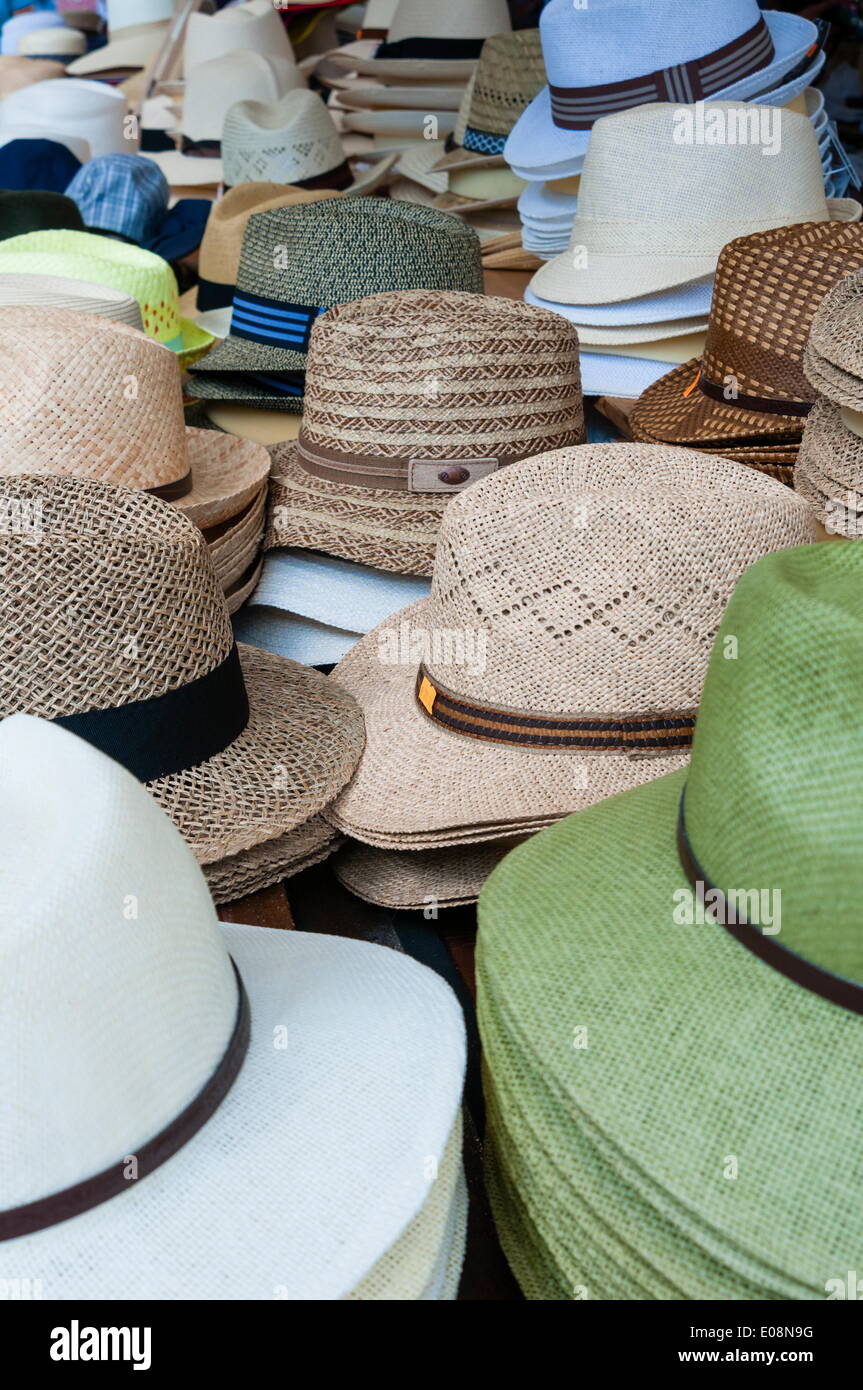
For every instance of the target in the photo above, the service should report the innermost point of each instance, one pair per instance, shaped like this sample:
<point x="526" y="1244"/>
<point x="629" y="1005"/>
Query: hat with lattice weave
<point x="411" y="880"/>
<point x="116" y="626"/>
<point x="736" y="881"/>
<point x="508" y="76"/>
<point x="410" y="398"/>
<point x="834" y="356"/>
<point x="750" y="385"/>
<point x="297" y="262"/>
<point x="561" y="654"/>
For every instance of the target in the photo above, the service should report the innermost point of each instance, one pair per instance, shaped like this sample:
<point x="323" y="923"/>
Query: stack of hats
<point x="291" y="1100"/>
<point x="602" y="60"/>
<point x="748" y="397"/>
<point x="88" y="397"/>
<point x="559" y="659"/>
<point x="670" y="986"/>
<point x="17" y="72"/>
<point x="830" y="463"/>
<point x="654" y="213"/>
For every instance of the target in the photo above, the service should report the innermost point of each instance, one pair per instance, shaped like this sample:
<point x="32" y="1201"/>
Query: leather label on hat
<point x="447" y="475"/>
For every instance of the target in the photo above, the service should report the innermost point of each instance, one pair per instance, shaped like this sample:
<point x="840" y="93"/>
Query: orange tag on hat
<point x="426" y="694"/>
<point x="691" y="387"/>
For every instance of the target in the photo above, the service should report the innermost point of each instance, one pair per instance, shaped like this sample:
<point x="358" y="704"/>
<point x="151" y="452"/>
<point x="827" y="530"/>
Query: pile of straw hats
<point x="635" y="1148"/>
<point x="352" y="1136"/>
<point x="470" y="740"/>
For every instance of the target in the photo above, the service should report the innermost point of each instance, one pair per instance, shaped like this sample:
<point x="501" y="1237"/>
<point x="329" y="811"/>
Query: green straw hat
<point x="299" y="261"/>
<point x="102" y="261"/>
<point x="35" y="210"/>
<point x="676" y="1103"/>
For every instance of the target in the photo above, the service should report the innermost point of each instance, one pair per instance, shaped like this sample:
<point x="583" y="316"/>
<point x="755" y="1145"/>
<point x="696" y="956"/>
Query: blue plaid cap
<point x="122" y="193"/>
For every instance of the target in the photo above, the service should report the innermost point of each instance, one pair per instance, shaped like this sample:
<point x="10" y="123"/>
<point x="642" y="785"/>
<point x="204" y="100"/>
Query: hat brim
<point x="281" y="1193"/>
<point x="134" y="52"/>
<point x="613" y="374"/>
<point x="359" y="57"/>
<point x="240" y="389"/>
<point x="665" y="412"/>
<point x="227" y="474"/>
<point x="274" y="860"/>
<point x="460" y="158"/>
<point x="195" y="342"/>
<point x="333" y="592"/>
<point x="401" y="98"/>
<point x="417" y="778"/>
<point x="238" y="593"/>
<point x="596" y="336"/>
<point x="267" y="427"/>
<point x="186" y="170"/>
<point x="833" y="382"/>
<point x="408" y="880"/>
<point x="623" y="855"/>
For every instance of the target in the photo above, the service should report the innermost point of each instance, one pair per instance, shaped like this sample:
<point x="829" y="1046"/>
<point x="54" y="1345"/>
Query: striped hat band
<point x="273" y="322"/>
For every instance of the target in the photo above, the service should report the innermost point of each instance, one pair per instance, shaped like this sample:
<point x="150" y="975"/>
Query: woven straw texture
<point x="415" y="879"/>
<point x="599" y="1177"/>
<point x="272" y="861"/>
<point x="348" y="249"/>
<point x="509" y="74"/>
<point x="829" y="471"/>
<point x="597" y="576"/>
<point x="767" y="289"/>
<point x="283" y="141"/>
<point x="113" y="599"/>
<point x="834" y="357"/>
<point x="223" y="238"/>
<point x="235" y="552"/>
<point x="843" y="388"/>
<point x="419" y="374"/>
<point x="59" y="292"/>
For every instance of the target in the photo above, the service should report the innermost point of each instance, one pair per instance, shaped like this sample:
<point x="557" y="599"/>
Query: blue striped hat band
<point x="272" y="321"/>
<point x="481" y="142"/>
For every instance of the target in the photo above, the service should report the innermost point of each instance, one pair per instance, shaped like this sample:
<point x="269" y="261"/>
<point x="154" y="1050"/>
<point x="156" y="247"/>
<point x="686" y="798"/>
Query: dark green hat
<point x="37" y="211"/>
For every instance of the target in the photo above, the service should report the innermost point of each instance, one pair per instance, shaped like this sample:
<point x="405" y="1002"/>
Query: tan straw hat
<point x="834" y="357"/>
<point x="115" y="626"/>
<point x="411" y="397"/>
<point x="412" y="880"/>
<point x="657" y="203"/>
<point x="508" y="76"/>
<point x="274" y="860"/>
<point x="561" y="655"/>
<point x="83" y="396"/>
<point x="17" y="72"/>
<point x="829" y="472"/>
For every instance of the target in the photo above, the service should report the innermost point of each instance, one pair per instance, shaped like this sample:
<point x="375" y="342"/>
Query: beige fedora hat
<point x="88" y="397"/>
<point x="271" y="862"/>
<point x="410" y="397"/>
<point x="561" y="654"/>
<point x="57" y="44"/>
<point x="468" y="188"/>
<point x="255" y="27"/>
<point x="657" y="203"/>
<point x="509" y="74"/>
<point x="58" y="292"/>
<point x="417" y="880"/>
<point x="426" y="42"/>
<point x="136" y="30"/>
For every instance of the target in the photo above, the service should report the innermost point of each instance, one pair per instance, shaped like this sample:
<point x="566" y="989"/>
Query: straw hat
<point x="601" y="60"/>
<point x="222" y="244"/>
<point x="251" y="28"/>
<point x="136" y="30"/>
<point x="829" y="472"/>
<point x="94" y="111"/>
<point x="18" y="25"/>
<point x="749" y="385"/>
<point x="328" y="1171"/>
<point x="298" y="261"/>
<point x="411" y="397"/>
<point x="235" y="544"/>
<point x="240" y="875"/>
<point x="622" y="1189"/>
<point x="87" y="397"/>
<point x="509" y="74"/>
<point x="85" y="256"/>
<point x="23" y="211"/>
<point x="16" y="72"/>
<point x="237" y="750"/>
<point x="292" y="140"/>
<point x="575" y="597"/>
<point x="53" y="44"/>
<point x="56" y="292"/>
<point x="629" y="238"/>
<point x="834" y="360"/>
<point x="413" y="880"/>
<point x="424" y="44"/>
<point x="468" y="189"/>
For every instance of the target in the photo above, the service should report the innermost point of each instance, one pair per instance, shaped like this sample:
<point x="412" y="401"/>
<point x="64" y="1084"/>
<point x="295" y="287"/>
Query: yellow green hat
<point x="117" y="265"/>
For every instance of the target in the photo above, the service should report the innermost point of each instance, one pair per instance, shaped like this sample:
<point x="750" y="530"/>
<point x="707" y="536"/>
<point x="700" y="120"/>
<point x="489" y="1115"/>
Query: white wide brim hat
<point x="338" y="593"/>
<point x="359" y="57"/>
<point x="537" y="144"/>
<point x="129" y="51"/>
<point x="607" y="374"/>
<point x="95" y="111"/>
<point x="691" y="302"/>
<point x="287" y="634"/>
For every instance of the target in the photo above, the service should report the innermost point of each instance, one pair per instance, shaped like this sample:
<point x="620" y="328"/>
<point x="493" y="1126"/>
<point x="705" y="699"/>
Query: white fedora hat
<point x="136" y="29"/>
<point x="57" y="43"/>
<point x="198" y="1111"/>
<point x="254" y="27"/>
<point x="427" y="42"/>
<point x="287" y="634"/>
<point x="689" y="301"/>
<point x="657" y="204"/>
<point x="19" y="25"/>
<point x="94" y="111"/>
<point x="605" y="57"/>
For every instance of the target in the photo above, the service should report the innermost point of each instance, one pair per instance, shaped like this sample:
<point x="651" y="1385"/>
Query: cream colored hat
<point x="426" y="43"/>
<point x="55" y="44"/>
<point x="561" y="655"/>
<point x="255" y="27"/>
<point x="57" y="292"/>
<point x="657" y="203"/>
<point x="136" y="29"/>
<point x="467" y="188"/>
<point x="94" y="111"/>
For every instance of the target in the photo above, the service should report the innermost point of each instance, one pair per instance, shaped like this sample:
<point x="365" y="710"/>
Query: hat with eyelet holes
<point x="508" y="76"/>
<point x="116" y="626"/>
<point x="410" y="398"/>
<point x="561" y="654"/>
<point x="297" y="262"/>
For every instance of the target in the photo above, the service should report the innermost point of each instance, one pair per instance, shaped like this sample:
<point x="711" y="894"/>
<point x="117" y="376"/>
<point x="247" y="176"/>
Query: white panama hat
<point x="95" y="112"/>
<point x="56" y="43"/>
<point x="254" y="27"/>
<point x="136" y="29"/>
<point x="303" y="1090"/>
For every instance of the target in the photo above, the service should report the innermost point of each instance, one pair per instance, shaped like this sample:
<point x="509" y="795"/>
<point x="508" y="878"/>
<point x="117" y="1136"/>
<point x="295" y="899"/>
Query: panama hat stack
<point x="748" y="397"/>
<point x="299" y="261"/>
<point x="86" y="397"/>
<point x="117" y="628"/>
<point x="654" y="213"/>
<point x="830" y="463"/>
<point x="634" y="1149"/>
<point x="326" y="1169"/>
<point x="560" y="657"/>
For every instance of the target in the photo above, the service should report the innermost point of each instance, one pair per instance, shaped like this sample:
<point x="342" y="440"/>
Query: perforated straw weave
<point x="284" y="141"/>
<point x="416" y="879"/>
<point x="834" y="358"/>
<point x="508" y="76"/>
<point x="109" y="596"/>
<point x="830" y="462"/>
<point x="272" y="861"/>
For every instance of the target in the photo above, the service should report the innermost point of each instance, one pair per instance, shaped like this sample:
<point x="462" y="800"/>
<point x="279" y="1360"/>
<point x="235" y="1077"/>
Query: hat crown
<point x="255" y="25"/>
<point x="509" y="74"/>
<point x="109" y="597"/>
<point x="417" y="19"/>
<point x="773" y="793"/>
<point x="432" y="374"/>
<point x="213" y="87"/>
<point x="290" y="139"/>
<point x="599" y="575"/>
<point x="837" y="326"/>
<point x="119" y="998"/>
<point x="121" y="193"/>
<point x="128" y="14"/>
<point x="222" y="244"/>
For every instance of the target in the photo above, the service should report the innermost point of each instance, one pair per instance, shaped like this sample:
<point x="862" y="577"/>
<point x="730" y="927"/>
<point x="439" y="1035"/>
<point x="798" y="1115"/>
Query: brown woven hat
<point x="749" y="387"/>
<point x="114" y="625"/>
<point x="411" y="880"/>
<point x="834" y="356"/>
<point x="509" y="74"/>
<point x="410" y="398"/>
<point x="85" y="396"/>
<point x="273" y="861"/>
<point x="561" y="654"/>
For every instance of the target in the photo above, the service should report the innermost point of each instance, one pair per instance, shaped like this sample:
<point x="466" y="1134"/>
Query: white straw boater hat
<point x="146" y="1087"/>
<point x="92" y="111"/>
<point x="426" y="43"/>
<point x="655" y="211"/>
<point x="603" y="58"/>
<point x="136" y="29"/>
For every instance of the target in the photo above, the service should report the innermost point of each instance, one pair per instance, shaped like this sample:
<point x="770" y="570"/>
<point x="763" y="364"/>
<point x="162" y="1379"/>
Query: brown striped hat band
<point x="577" y="108"/>
<point x="660" y="732"/>
<point x="398" y="474"/>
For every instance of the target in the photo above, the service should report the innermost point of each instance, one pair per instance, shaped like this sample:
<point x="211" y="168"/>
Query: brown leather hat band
<point x="170" y="492"/>
<point x="399" y="474"/>
<point x="761" y="404"/>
